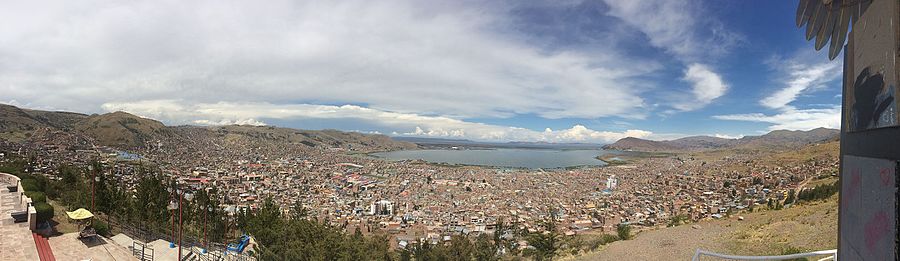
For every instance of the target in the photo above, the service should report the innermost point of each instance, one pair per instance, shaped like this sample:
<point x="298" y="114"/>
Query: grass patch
<point x="62" y="222"/>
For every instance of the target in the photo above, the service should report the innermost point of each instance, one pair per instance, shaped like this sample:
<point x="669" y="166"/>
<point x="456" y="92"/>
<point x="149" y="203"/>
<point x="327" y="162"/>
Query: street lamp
<point x="172" y="206"/>
<point x="93" y="177"/>
<point x="206" y="225"/>
<point x="180" y="218"/>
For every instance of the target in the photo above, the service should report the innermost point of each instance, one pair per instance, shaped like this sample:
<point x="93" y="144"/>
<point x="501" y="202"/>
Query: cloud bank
<point x="436" y="58"/>
<point x="434" y="63"/>
<point x="408" y="124"/>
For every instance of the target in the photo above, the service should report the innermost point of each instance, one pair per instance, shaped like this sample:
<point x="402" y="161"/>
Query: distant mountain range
<point x="447" y="143"/>
<point x="779" y="139"/>
<point x="124" y="130"/>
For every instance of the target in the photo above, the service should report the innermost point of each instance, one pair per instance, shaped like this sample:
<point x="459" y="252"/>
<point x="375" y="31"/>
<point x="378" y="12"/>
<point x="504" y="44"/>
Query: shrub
<point x="595" y="244"/>
<point x="101" y="227"/>
<point x="607" y="238"/>
<point x="678" y="220"/>
<point x="788" y="250"/>
<point x="36" y="196"/>
<point x="40" y="180"/>
<point x="624" y="231"/>
<point x="602" y="240"/>
<point x="30" y="185"/>
<point x="44" y="211"/>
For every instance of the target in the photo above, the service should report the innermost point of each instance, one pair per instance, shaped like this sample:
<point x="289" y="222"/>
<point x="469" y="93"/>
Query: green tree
<point x="624" y="231"/>
<point x="792" y="196"/>
<point x="486" y="249"/>
<point x="545" y="243"/>
<point x="151" y="200"/>
<point x="282" y="238"/>
<point x="460" y="248"/>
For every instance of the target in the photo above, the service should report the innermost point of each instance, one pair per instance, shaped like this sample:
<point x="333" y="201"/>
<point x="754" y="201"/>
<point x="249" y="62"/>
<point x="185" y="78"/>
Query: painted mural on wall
<point x="872" y="103"/>
<point x="870" y="73"/>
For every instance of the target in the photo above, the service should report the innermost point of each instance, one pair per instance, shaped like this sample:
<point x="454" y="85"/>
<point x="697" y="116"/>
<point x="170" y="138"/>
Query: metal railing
<point x="215" y="254"/>
<point x="146" y="234"/>
<point x="831" y="255"/>
<point x="141" y="251"/>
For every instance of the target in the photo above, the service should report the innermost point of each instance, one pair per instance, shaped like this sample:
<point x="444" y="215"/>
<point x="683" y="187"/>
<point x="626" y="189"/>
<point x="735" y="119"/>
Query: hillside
<point x="637" y="144"/>
<point x="121" y="129"/>
<point x="784" y="139"/>
<point x="17" y="124"/>
<point x="805" y="227"/>
<point x="125" y="131"/>
<point x="775" y="140"/>
<point x="244" y="134"/>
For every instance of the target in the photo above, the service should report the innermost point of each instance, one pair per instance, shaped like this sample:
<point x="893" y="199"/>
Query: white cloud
<point x="706" y="84"/>
<point x="726" y="136"/>
<point x="178" y="112"/>
<point x="673" y="25"/>
<point x="799" y="74"/>
<point x="793" y="119"/>
<point x="801" y="77"/>
<point x="430" y="58"/>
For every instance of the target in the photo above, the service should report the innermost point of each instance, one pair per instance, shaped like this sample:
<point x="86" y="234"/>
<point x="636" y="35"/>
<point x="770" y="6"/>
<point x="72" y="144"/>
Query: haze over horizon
<point x="553" y="71"/>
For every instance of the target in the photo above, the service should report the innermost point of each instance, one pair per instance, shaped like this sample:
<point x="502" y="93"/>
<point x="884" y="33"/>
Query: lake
<point x="513" y="157"/>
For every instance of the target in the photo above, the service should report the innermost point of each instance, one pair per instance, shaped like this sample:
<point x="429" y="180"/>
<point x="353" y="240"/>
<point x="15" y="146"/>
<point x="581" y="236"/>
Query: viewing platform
<point x="22" y="241"/>
<point x="18" y="242"/>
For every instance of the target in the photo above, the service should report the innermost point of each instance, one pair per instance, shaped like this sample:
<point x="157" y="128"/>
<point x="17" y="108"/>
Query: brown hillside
<point x="121" y="129"/>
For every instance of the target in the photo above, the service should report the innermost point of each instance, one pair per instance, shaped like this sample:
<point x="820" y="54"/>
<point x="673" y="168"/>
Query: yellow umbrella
<point x="79" y="214"/>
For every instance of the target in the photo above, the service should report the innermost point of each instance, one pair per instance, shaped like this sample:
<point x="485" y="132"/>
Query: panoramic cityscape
<point x="449" y="130"/>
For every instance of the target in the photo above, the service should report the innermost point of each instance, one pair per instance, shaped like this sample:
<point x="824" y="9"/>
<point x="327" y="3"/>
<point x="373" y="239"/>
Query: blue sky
<point x="557" y="71"/>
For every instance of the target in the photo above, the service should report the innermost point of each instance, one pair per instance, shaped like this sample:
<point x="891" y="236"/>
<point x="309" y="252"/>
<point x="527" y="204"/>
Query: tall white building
<point x="382" y="208"/>
<point x="611" y="182"/>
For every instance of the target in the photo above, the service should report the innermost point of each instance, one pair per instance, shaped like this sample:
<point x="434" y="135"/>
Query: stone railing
<point x="23" y="200"/>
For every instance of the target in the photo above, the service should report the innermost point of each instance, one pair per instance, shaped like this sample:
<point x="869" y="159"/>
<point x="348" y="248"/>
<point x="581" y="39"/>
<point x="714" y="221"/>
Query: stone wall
<point x="23" y="200"/>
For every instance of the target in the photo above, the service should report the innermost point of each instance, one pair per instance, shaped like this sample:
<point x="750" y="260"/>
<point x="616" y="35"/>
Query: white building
<point x="611" y="182"/>
<point x="382" y="208"/>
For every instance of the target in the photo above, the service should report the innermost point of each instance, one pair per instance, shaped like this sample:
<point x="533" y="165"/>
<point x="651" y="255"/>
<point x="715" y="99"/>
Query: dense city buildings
<point x="415" y="200"/>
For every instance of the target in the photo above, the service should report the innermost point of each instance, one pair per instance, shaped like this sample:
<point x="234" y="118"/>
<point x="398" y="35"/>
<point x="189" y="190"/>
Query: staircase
<point x="43" y="247"/>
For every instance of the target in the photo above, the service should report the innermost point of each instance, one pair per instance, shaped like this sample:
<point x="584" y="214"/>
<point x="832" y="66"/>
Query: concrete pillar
<point x="32" y="219"/>
<point x="870" y="137"/>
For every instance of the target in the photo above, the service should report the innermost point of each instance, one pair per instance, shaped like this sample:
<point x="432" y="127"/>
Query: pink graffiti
<point x="885" y="176"/>
<point x="876" y="228"/>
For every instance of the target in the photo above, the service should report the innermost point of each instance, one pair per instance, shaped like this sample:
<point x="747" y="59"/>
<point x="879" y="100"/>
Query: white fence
<point x="831" y="255"/>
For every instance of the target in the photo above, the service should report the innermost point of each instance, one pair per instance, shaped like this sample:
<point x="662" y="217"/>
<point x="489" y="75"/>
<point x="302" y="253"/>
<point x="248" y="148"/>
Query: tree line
<point x="819" y="192"/>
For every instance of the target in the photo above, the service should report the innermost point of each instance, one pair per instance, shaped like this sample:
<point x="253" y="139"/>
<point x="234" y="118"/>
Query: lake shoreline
<point x="503" y="158"/>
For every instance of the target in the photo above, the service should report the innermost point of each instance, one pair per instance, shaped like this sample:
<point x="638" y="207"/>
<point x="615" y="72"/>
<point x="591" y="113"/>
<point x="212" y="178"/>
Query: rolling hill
<point x="126" y="131"/>
<point x="778" y="140"/>
<point x="17" y="124"/>
<point x="121" y="129"/>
